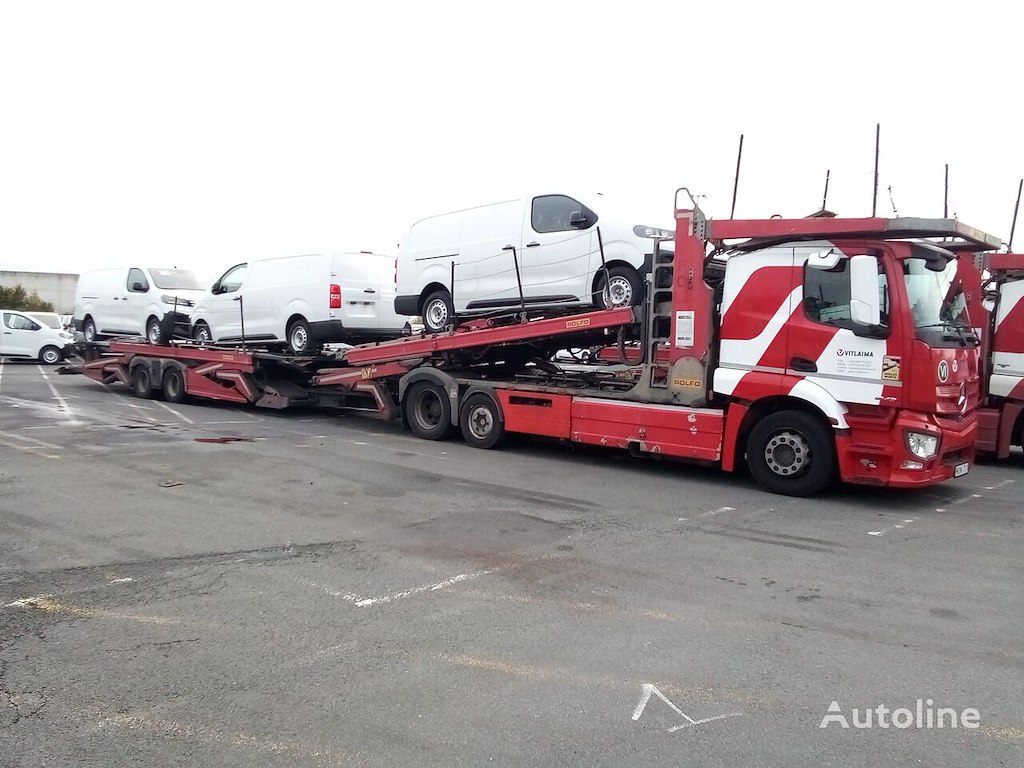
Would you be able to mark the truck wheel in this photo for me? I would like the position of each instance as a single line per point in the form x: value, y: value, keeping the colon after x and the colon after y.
x: 620, y: 289
x: 155, y: 332
x: 174, y: 385
x: 50, y: 355
x: 299, y: 338
x: 438, y: 312
x: 202, y: 333
x: 89, y: 330
x: 792, y: 453
x: 428, y: 411
x: 142, y: 382
x: 480, y: 422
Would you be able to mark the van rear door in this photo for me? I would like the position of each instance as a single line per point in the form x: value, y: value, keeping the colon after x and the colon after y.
x: 356, y: 276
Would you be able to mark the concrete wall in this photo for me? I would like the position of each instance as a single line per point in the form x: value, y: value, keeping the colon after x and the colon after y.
x: 54, y: 287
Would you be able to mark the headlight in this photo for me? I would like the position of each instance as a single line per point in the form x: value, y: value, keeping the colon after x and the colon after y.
x: 175, y: 300
x: 652, y: 232
x: 922, y: 444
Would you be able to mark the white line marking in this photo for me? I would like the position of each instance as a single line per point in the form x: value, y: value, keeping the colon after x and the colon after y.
x: 57, y: 396
x: 28, y: 439
x: 1001, y: 484
x: 896, y: 527
x: 363, y: 602
x: 122, y: 581
x: 649, y: 688
x: 180, y: 415
x: 717, y: 511
x: 1, y: 374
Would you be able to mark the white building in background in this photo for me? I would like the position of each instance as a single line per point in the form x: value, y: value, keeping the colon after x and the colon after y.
x: 58, y: 288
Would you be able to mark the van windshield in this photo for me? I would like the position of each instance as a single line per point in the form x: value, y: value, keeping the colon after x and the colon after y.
x: 50, y: 321
x: 174, y: 279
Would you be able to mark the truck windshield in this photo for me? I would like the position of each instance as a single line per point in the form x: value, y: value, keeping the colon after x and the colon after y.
x: 937, y: 302
x: 175, y: 279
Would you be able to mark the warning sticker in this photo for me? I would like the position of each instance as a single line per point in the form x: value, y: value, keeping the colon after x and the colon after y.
x: 684, y: 328
x: 891, y: 368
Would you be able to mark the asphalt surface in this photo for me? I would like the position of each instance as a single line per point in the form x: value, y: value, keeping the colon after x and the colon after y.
x: 327, y: 590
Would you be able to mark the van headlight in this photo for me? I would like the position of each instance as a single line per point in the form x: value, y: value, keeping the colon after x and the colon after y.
x: 922, y: 444
x: 652, y: 232
x: 175, y: 300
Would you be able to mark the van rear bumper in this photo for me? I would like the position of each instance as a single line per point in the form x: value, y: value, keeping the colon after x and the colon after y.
x: 330, y: 331
x: 407, y: 305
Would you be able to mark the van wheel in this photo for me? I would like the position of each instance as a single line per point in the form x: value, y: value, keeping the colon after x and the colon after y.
x: 154, y: 332
x: 438, y: 312
x: 50, y: 355
x: 174, y: 385
x: 428, y: 411
x: 299, y: 337
x: 89, y: 330
x: 142, y: 382
x: 480, y: 422
x: 792, y: 453
x: 621, y: 288
x: 202, y: 333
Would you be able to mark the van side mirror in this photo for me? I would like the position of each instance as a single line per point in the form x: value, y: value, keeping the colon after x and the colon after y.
x: 138, y: 287
x: 215, y: 288
x: 864, y: 305
x: 577, y: 220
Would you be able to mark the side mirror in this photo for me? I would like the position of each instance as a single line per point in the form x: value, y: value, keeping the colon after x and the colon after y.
x: 864, y: 306
x: 215, y: 288
x: 139, y: 287
x: 577, y: 220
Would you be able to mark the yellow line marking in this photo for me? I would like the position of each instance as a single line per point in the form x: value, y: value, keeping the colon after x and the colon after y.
x: 48, y: 604
x: 209, y: 735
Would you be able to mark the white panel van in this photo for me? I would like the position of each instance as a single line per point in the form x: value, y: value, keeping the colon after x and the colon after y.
x: 24, y: 335
x: 135, y: 301
x: 461, y: 263
x: 305, y: 301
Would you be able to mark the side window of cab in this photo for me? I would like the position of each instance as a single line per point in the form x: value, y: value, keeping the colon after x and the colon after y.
x: 559, y: 213
x: 232, y: 280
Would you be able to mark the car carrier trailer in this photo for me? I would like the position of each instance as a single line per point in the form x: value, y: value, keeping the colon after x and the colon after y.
x: 789, y: 345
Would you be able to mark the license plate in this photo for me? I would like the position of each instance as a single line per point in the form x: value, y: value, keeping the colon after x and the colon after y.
x: 961, y: 469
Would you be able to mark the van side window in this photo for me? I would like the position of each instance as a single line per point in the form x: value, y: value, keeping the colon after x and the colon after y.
x: 233, y: 278
x: 19, y: 322
x: 137, y: 282
x: 553, y: 213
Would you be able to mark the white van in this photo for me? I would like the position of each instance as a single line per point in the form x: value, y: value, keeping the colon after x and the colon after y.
x: 22, y: 335
x: 305, y: 301
x: 135, y: 301
x: 559, y: 257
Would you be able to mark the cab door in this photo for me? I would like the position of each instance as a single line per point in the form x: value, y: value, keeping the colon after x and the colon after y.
x: 559, y: 245
x: 131, y: 309
x: 225, y: 312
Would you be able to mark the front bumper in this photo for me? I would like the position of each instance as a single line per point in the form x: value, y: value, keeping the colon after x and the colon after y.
x: 880, y: 456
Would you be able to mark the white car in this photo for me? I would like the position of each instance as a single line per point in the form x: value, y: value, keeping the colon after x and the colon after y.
x: 461, y: 262
x: 23, y: 336
x: 135, y: 301
x: 305, y: 301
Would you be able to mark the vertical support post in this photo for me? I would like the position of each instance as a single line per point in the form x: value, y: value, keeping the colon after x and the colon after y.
x: 736, y: 180
x: 945, y: 195
x: 824, y: 197
x: 604, y: 265
x: 874, y: 196
x: 451, y: 291
x: 241, y: 317
x: 1016, y: 208
x: 519, y: 280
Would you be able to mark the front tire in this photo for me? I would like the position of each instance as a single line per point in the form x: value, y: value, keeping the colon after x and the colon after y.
x: 155, y: 332
x: 620, y: 288
x: 89, y: 330
x: 300, y: 339
x: 792, y: 453
x: 51, y: 355
x: 480, y: 422
x: 202, y: 333
x: 438, y: 312
x: 428, y: 411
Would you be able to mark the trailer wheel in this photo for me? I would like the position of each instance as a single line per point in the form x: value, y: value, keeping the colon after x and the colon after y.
x: 142, y: 382
x: 480, y: 422
x: 791, y: 453
x: 438, y: 312
x: 428, y: 411
x: 174, y: 385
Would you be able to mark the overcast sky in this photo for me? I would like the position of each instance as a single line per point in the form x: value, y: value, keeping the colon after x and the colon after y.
x: 201, y: 134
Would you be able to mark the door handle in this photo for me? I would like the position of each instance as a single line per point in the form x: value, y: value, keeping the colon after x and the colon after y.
x: 369, y: 290
x: 7, y: 333
x: 803, y: 365
x: 534, y: 244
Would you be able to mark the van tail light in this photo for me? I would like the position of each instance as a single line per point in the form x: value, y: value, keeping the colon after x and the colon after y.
x: 335, y: 296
